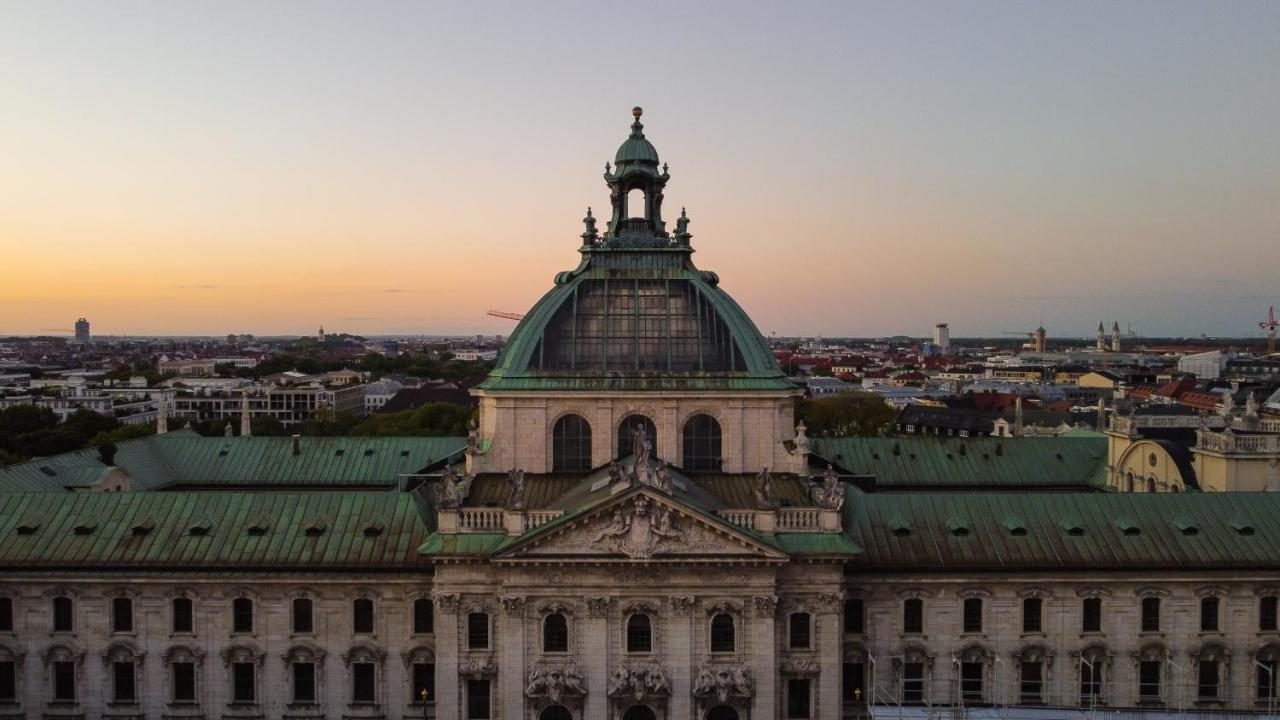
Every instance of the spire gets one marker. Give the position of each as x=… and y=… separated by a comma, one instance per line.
x=635, y=185
x=682, y=235
x=590, y=237
x=246, y=418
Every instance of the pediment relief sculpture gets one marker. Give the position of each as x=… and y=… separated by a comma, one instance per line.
x=638, y=682
x=723, y=683
x=554, y=683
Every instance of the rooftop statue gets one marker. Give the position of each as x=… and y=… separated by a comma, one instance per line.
x=830, y=494
x=515, y=489
x=763, y=491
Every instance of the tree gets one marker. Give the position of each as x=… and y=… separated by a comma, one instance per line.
x=122, y=433
x=845, y=415
x=327, y=423
x=266, y=426
x=427, y=420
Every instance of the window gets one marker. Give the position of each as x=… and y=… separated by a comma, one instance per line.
x=478, y=700
x=304, y=682
x=722, y=633
x=362, y=616
x=555, y=633
x=1032, y=615
x=424, y=618
x=571, y=444
x=1149, y=679
x=478, y=631
x=913, y=615
x=1032, y=688
x=854, y=680
x=1150, y=614
x=1208, y=687
x=6, y=614
x=635, y=203
x=1267, y=607
x=799, y=630
x=424, y=678
x=122, y=682
x=702, y=444
x=639, y=633
x=8, y=681
x=1209, y=614
x=121, y=615
x=972, y=622
x=243, y=682
x=63, y=614
x=799, y=698
x=182, y=616
x=971, y=682
x=912, y=683
x=364, y=682
x=242, y=615
x=1266, y=673
x=1090, y=680
x=183, y=675
x=64, y=681
x=627, y=426
x=1091, y=615
x=854, y=616
x=303, y=617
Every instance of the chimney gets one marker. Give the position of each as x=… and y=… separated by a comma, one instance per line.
x=297, y=444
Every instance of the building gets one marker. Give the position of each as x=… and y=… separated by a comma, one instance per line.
x=636, y=529
x=82, y=331
x=942, y=338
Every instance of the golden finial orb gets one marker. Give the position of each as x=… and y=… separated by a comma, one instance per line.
x=637, y=111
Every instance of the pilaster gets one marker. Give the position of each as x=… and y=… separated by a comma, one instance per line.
x=765, y=657
x=680, y=634
x=829, y=639
x=511, y=634
x=448, y=685
x=596, y=634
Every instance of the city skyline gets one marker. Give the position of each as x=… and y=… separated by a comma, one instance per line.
x=182, y=171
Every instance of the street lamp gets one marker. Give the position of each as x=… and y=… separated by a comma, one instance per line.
x=423, y=694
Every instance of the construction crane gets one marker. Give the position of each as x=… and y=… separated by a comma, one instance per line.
x=507, y=315
x=1270, y=325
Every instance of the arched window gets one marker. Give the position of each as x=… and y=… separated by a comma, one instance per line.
x=555, y=633
x=639, y=712
x=722, y=712
x=635, y=203
x=627, y=426
x=1151, y=484
x=555, y=712
x=702, y=444
x=362, y=616
x=639, y=633
x=723, y=637
x=1128, y=482
x=571, y=444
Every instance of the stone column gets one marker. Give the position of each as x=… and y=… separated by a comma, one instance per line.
x=765, y=658
x=680, y=634
x=669, y=432
x=511, y=647
x=595, y=629
x=447, y=682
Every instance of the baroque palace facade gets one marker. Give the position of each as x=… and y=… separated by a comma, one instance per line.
x=635, y=529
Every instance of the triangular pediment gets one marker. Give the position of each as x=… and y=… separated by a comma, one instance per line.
x=641, y=524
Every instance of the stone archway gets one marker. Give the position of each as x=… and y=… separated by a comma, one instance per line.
x=555, y=712
x=639, y=712
x=722, y=712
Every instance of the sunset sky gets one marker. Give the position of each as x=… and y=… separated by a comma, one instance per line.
x=849, y=168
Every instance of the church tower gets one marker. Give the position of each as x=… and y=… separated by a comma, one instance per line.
x=1115, y=336
x=1102, y=338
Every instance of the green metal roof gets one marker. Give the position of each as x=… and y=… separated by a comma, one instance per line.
x=188, y=460
x=154, y=531
x=900, y=463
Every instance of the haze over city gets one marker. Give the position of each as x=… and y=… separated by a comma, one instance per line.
x=850, y=170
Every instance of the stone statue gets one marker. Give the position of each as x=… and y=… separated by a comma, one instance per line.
x=473, y=438
x=554, y=683
x=641, y=446
x=1251, y=405
x=515, y=489
x=722, y=683
x=619, y=525
x=616, y=473
x=830, y=494
x=590, y=236
x=1228, y=404
x=765, y=499
x=226, y=432
x=802, y=439
x=451, y=490
x=662, y=480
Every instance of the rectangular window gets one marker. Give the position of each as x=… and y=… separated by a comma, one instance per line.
x=304, y=682
x=798, y=631
x=8, y=680
x=62, y=614
x=913, y=615
x=64, y=682
x=1032, y=615
x=1032, y=689
x=423, y=617
x=972, y=621
x=971, y=682
x=122, y=682
x=478, y=631
x=1149, y=679
x=854, y=680
x=1208, y=689
x=854, y=617
x=6, y=614
x=1267, y=608
x=1266, y=674
x=184, y=681
x=424, y=678
x=364, y=683
x=121, y=615
x=243, y=686
x=1209, y=614
x=303, y=622
x=799, y=699
x=1150, y=614
x=1091, y=615
x=913, y=683
x=242, y=615
x=362, y=616
x=1090, y=682
x=183, y=617
x=479, y=700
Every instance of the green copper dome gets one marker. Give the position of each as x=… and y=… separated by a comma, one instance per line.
x=636, y=314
